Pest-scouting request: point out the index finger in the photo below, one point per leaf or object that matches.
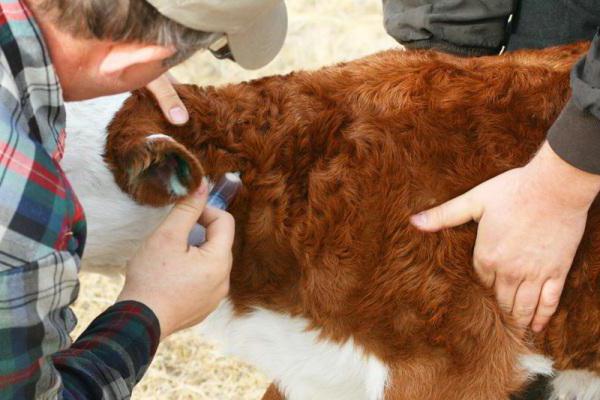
(457, 211)
(168, 100)
(220, 228)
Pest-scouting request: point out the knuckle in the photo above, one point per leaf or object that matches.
(532, 275)
(162, 88)
(168, 95)
(557, 271)
(486, 261)
(229, 219)
(550, 301)
(187, 207)
(225, 220)
(546, 272)
(224, 216)
(512, 276)
(439, 214)
(524, 310)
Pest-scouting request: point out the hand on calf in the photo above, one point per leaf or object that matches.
(168, 99)
(531, 221)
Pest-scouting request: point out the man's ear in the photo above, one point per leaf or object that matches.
(124, 55)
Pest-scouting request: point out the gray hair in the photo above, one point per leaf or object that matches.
(125, 21)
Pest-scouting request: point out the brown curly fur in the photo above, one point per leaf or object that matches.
(335, 161)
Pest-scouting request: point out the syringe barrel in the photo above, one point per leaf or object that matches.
(224, 191)
(220, 196)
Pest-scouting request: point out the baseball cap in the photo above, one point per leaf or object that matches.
(255, 29)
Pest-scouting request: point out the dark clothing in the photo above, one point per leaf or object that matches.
(471, 27)
(575, 135)
(543, 23)
(463, 27)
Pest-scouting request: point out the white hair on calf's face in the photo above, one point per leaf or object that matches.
(159, 136)
(116, 224)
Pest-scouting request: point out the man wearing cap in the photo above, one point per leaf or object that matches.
(56, 50)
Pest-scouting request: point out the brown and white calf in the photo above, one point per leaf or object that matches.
(333, 293)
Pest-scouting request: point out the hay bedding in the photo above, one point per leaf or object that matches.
(321, 33)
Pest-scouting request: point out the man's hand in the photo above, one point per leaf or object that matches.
(183, 284)
(168, 99)
(531, 221)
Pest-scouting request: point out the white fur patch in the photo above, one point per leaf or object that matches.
(304, 366)
(536, 364)
(576, 385)
(176, 186)
(116, 224)
(159, 136)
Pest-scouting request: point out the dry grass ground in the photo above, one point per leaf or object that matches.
(321, 33)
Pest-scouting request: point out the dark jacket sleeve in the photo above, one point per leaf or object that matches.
(111, 356)
(575, 135)
(462, 27)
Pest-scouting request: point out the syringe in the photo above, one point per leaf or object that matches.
(220, 196)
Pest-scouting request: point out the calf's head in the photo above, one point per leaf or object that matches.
(145, 156)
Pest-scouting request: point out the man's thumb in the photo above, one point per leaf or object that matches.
(452, 213)
(186, 212)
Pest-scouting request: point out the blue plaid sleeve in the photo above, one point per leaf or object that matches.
(42, 237)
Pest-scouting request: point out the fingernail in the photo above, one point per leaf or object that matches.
(203, 187)
(178, 115)
(419, 220)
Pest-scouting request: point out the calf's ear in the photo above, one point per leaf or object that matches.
(156, 170)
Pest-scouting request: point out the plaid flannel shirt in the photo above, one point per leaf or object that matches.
(42, 235)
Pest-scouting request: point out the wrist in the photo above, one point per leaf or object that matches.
(131, 295)
(567, 185)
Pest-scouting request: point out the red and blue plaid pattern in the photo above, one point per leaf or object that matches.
(42, 236)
